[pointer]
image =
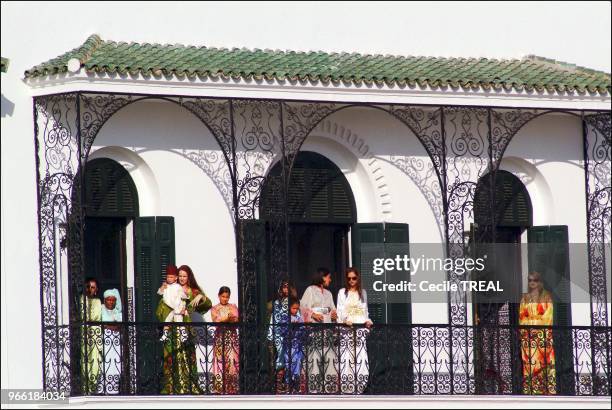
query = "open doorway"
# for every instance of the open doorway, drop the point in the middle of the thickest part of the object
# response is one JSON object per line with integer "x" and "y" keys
{"x": 321, "y": 210}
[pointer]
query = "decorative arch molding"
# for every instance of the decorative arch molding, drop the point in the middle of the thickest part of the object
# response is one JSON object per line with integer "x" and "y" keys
{"x": 141, "y": 173}
{"x": 536, "y": 185}
{"x": 350, "y": 140}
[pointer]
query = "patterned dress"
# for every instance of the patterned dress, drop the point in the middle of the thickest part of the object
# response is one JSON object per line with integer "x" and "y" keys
{"x": 180, "y": 371}
{"x": 537, "y": 351}
{"x": 226, "y": 351}
{"x": 354, "y": 366}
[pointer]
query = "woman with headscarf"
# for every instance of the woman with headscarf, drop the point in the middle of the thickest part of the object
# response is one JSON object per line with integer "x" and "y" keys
{"x": 112, "y": 312}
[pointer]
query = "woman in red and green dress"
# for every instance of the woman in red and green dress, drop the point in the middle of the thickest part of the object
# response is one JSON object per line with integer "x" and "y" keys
{"x": 537, "y": 350}
{"x": 180, "y": 371}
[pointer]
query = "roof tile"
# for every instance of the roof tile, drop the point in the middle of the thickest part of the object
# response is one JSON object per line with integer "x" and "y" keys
{"x": 532, "y": 72}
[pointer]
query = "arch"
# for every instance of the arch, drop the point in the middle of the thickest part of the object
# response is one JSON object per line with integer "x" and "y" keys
{"x": 140, "y": 172}
{"x": 350, "y": 141}
{"x": 318, "y": 192}
{"x": 372, "y": 199}
{"x": 109, "y": 113}
{"x": 511, "y": 202}
{"x": 109, "y": 190}
{"x": 314, "y": 125}
{"x": 520, "y": 127}
{"x": 537, "y": 187}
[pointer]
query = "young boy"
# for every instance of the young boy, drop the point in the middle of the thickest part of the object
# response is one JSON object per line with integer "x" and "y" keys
{"x": 174, "y": 296}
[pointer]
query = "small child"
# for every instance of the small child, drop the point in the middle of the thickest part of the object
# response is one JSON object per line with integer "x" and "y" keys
{"x": 174, "y": 296}
{"x": 294, "y": 347}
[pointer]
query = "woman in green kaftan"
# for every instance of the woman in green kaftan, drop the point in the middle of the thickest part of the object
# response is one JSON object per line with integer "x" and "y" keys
{"x": 180, "y": 372}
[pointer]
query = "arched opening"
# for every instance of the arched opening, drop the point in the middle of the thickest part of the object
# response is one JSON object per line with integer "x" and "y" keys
{"x": 110, "y": 203}
{"x": 502, "y": 212}
{"x": 321, "y": 209}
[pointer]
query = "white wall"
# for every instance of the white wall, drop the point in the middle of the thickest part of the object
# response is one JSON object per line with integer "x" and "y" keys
{"x": 33, "y": 33}
{"x": 168, "y": 140}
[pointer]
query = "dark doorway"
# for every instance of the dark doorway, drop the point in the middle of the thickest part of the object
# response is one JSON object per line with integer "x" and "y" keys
{"x": 318, "y": 245}
{"x": 105, "y": 253}
{"x": 110, "y": 202}
{"x": 502, "y": 212}
{"x": 320, "y": 210}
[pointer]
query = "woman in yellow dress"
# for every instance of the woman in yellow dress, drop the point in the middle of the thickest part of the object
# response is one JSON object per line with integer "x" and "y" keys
{"x": 91, "y": 338}
{"x": 537, "y": 351}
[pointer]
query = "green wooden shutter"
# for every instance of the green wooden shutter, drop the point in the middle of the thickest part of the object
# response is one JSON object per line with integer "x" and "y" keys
{"x": 109, "y": 189}
{"x": 397, "y": 242}
{"x": 318, "y": 192}
{"x": 146, "y": 274}
{"x": 367, "y": 243}
{"x": 164, "y": 235}
{"x": 154, "y": 246}
{"x": 549, "y": 255}
{"x": 154, "y": 250}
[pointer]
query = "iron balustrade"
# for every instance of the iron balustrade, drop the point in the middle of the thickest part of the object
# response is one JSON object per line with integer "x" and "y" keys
{"x": 332, "y": 359}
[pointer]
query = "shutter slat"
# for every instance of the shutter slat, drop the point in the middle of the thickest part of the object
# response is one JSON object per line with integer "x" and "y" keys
{"x": 109, "y": 190}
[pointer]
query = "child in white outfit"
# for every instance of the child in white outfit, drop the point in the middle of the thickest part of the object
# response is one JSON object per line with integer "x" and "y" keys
{"x": 174, "y": 296}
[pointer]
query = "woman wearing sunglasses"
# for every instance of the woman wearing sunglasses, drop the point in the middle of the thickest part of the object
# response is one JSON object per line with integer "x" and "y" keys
{"x": 353, "y": 310}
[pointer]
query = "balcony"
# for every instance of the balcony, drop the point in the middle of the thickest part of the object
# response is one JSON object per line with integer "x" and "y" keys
{"x": 102, "y": 359}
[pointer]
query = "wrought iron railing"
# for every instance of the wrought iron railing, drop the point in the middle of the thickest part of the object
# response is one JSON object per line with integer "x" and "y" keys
{"x": 209, "y": 358}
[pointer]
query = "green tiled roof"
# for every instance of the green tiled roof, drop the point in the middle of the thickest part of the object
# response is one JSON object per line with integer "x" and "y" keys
{"x": 5, "y": 63}
{"x": 530, "y": 73}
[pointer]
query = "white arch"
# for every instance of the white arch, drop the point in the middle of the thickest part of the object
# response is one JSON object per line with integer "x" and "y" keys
{"x": 355, "y": 173}
{"x": 141, "y": 173}
{"x": 537, "y": 187}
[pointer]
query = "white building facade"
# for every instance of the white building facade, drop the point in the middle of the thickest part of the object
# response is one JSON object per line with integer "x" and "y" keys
{"x": 252, "y": 177}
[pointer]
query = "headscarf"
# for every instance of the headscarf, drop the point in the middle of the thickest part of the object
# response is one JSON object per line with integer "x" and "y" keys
{"x": 115, "y": 314}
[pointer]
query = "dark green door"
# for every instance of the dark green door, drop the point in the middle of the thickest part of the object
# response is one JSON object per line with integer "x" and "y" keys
{"x": 154, "y": 251}
{"x": 549, "y": 255}
{"x": 389, "y": 345}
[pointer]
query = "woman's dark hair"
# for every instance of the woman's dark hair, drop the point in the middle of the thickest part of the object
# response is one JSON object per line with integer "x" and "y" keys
{"x": 224, "y": 289}
{"x": 318, "y": 277}
{"x": 91, "y": 279}
{"x": 191, "y": 280}
{"x": 346, "y": 282}
{"x": 292, "y": 289}
{"x": 293, "y": 301}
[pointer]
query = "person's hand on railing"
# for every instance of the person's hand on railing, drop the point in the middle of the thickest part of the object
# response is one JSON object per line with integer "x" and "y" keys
{"x": 348, "y": 322}
{"x": 317, "y": 317}
{"x": 368, "y": 324}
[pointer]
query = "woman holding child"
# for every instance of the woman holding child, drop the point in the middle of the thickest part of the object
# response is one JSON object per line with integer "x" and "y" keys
{"x": 180, "y": 373}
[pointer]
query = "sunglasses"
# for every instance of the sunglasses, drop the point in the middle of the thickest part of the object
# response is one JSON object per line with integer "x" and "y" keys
{"x": 352, "y": 277}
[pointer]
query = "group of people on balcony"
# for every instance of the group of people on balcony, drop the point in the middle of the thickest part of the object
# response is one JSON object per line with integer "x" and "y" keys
{"x": 313, "y": 360}
{"x": 303, "y": 359}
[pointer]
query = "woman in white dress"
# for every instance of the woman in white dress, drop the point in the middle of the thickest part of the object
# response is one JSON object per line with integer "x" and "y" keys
{"x": 111, "y": 312}
{"x": 353, "y": 310}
